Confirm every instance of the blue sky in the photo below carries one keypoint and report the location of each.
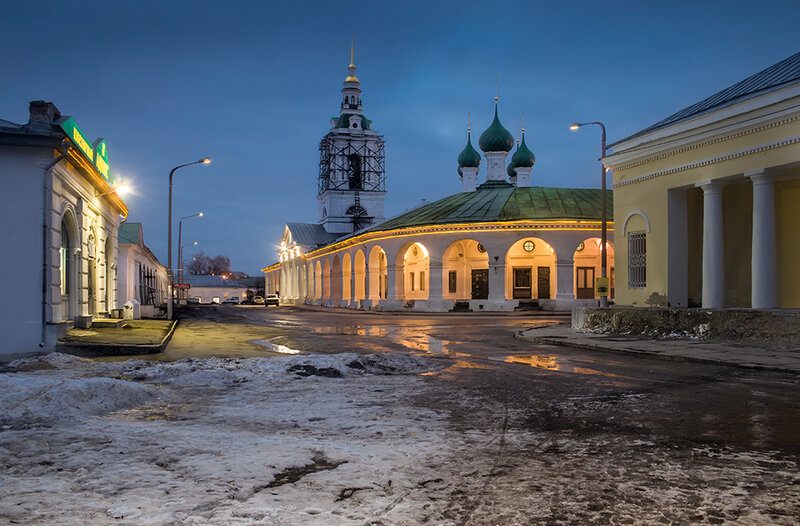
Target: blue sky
(254, 84)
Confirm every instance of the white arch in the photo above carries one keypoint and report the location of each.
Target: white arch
(631, 214)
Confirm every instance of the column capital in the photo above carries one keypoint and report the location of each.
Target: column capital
(710, 186)
(760, 176)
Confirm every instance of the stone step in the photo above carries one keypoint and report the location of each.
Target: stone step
(107, 323)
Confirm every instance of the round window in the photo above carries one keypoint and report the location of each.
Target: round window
(355, 125)
(481, 249)
(528, 246)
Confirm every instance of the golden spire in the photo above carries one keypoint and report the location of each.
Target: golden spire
(469, 128)
(352, 46)
(496, 98)
(523, 122)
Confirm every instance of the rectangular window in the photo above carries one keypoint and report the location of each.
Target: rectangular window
(637, 260)
(411, 275)
(452, 281)
(422, 280)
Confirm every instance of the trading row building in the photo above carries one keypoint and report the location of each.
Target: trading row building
(62, 215)
(498, 245)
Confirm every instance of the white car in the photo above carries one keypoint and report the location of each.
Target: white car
(272, 299)
(258, 300)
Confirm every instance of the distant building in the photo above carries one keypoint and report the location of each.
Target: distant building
(141, 276)
(708, 200)
(214, 289)
(495, 246)
(61, 216)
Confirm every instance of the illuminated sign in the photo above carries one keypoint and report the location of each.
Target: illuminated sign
(94, 152)
(601, 286)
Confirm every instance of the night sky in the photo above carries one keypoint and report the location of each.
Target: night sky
(253, 85)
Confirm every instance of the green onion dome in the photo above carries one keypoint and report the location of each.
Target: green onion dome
(510, 170)
(460, 173)
(496, 138)
(523, 157)
(469, 157)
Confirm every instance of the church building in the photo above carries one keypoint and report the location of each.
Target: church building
(498, 245)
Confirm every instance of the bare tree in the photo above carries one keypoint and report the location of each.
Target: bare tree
(219, 265)
(202, 264)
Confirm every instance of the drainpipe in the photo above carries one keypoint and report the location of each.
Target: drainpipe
(47, 192)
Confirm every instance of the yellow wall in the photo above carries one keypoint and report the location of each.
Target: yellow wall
(651, 196)
(787, 212)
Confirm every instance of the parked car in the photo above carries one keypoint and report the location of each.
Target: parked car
(272, 299)
(232, 301)
(258, 300)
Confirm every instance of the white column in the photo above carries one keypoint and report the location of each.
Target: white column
(469, 179)
(764, 280)
(391, 282)
(497, 280)
(366, 276)
(564, 280)
(353, 301)
(435, 280)
(713, 247)
(523, 177)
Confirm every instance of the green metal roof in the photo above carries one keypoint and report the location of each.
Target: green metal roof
(506, 203)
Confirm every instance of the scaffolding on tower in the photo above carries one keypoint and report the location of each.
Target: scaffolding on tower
(359, 167)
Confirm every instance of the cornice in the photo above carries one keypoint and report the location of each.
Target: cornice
(714, 160)
(708, 142)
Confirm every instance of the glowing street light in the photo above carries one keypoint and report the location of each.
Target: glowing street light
(204, 160)
(575, 126)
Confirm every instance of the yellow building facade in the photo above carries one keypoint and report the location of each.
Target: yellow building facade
(707, 201)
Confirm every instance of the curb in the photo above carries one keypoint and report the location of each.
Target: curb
(566, 342)
(95, 350)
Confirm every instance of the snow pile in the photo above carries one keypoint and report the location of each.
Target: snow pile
(32, 398)
(220, 372)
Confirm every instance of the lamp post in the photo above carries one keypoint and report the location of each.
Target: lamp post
(180, 262)
(180, 250)
(603, 218)
(204, 160)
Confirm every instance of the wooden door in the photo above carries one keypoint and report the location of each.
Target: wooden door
(522, 282)
(480, 284)
(543, 283)
(585, 283)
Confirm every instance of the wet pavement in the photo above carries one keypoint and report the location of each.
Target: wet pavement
(688, 402)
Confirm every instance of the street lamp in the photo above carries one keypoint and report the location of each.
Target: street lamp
(180, 261)
(121, 189)
(180, 250)
(204, 160)
(604, 227)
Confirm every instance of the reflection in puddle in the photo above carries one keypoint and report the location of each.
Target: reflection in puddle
(459, 364)
(552, 363)
(410, 338)
(276, 347)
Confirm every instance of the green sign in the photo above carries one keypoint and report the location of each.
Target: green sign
(94, 152)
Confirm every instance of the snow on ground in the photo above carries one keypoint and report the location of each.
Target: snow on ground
(345, 440)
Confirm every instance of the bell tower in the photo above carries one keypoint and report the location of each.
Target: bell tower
(352, 172)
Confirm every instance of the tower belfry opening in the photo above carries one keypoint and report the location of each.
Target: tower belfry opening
(352, 171)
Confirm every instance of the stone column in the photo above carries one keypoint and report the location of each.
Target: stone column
(764, 280)
(497, 280)
(435, 280)
(367, 301)
(565, 289)
(353, 301)
(391, 282)
(713, 247)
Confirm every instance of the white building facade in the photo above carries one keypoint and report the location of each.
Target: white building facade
(141, 276)
(62, 215)
(496, 246)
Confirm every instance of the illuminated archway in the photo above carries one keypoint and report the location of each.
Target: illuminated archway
(587, 264)
(531, 270)
(326, 279)
(336, 279)
(465, 267)
(347, 275)
(413, 272)
(378, 274)
(67, 266)
(360, 274)
(318, 280)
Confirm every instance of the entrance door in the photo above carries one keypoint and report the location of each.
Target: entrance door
(543, 283)
(585, 285)
(522, 283)
(480, 284)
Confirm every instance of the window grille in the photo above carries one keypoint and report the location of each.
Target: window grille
(637, 260)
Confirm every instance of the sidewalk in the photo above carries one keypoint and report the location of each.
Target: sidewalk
(746, 355)
(134, 337)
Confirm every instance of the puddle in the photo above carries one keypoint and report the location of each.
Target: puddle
(276, 347)
(552, 363)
